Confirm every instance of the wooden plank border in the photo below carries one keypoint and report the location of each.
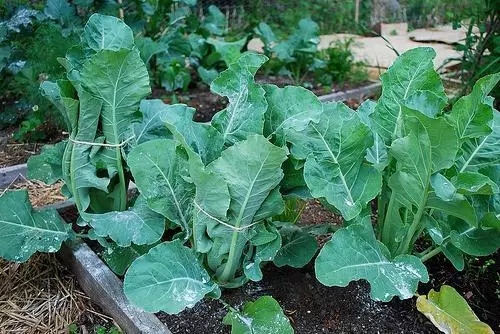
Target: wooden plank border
(355, 93)
(9, 174)
(104, 288)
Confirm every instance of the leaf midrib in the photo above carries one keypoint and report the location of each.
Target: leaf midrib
(341, 174)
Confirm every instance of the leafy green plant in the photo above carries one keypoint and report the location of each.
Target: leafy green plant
(481, 47)
(340, 65)
(297, 55)
(434, 174)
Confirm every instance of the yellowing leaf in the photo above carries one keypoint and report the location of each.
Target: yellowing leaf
(450, 313)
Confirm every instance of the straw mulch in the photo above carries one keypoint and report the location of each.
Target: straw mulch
(40, 194)
(41, 296)
(13, 153)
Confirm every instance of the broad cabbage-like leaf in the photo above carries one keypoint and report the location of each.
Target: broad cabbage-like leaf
(47, 166)
(450, 313)
(124, 83)
(353, 253)
(263, 316)
(482, 151)
(139, 224)
(245, 113)
(168, 278)
(472, 114)
(228, 51)
(299, 247)
(160, 170)
(289, 109)
(24, 231)
(215, 21)
(104, 32)
(410, 73)
(430, 144)
(334, 150)
(152, 126)
(119, 258)
(61, 11)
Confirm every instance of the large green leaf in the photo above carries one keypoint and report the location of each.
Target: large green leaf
(121, 82)
(377, 154)
(61, 94)
(61, 11)
(152, 126)
(160, 170)
(410, 73)
(24, 231)
(353, 253)
(289, 109)
(202, 139)
(263, 316)
(215, 21)
(250, 171)
(299, 247)
(119, 258)
(471, 114)
(421, 152)
(82, 174)
(47, 166)
(450, 313)
(104, 32)
(245, 113)
(228, 51)
(482, 151)
(139, 224)
(266, 244)
(479, 240)
(168, 278)
(334, 150)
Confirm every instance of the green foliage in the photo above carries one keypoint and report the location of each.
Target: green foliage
(263, 316)
(283, 15)
(296, 55)
(480, 50)
(218, 186)
(340, 66)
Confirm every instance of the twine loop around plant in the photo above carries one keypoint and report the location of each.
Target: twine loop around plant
(234, 228)
(100, 144)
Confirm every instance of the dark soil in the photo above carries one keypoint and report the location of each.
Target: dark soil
(14, 153)
(207, 104)
(310, 306)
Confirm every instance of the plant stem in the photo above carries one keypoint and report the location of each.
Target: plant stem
(431, 254)
(415, 225)
(228, 269)
(226, 305)
(427, 250)
(122, 185)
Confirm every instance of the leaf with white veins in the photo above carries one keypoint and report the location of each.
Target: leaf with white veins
(353, 253)
(168, 278)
